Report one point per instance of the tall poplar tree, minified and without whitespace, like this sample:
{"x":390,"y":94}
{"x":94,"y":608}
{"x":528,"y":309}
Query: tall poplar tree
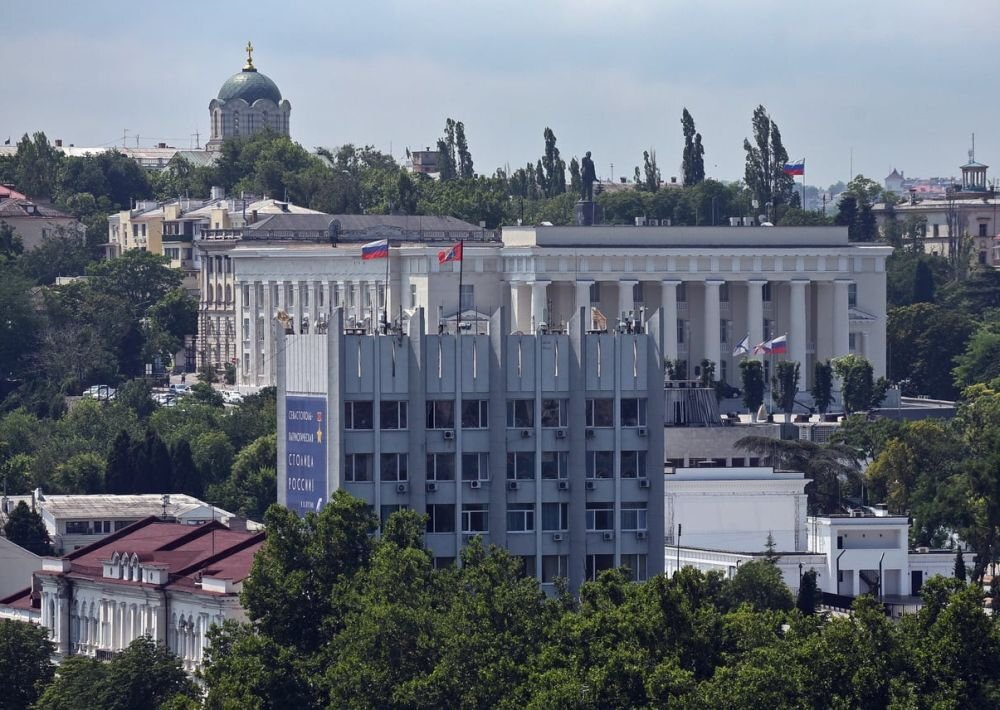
{"x":465,"y":170}
{"x":693,"y":164}
{"x":554,"y":166}
{"x":766,"y":158}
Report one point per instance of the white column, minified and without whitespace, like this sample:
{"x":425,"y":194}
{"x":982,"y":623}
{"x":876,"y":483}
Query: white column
{"x":755,"y":312}
{"x":841,"y":320}
{"x":710,"y":328}
{"x":313,"y":292}
{"x":270,"y":307}
{"x":249,"y":312}
{"x":626,"y":299}
{"x":539,"y":304}
{"x":583,"y":301}
{"x":797,"y":323}
{"x":669,"y":305}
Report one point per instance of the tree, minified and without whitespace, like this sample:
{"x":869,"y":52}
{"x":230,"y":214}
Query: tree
{"x":465,"y":170}
{"x":20,"y":325}
{"x":651,"y":179}
{"x":765,"y":163}
{"x":822,"y":387}
{"x":786,"y":384}
{"x":184,"y":475}
{"x":808,"y":595}
{"x":553,"y":168}
{"x":752,"y":373}
{"x":79,"y":685}
{"x":924,"y":341}
{"x":855,"y":209}
{"x":693,"y":161}
{"x":151,"y":464}
{"x":759,"y":584}
{"x":63,"y":253}
{"x":960,"y":566}
{"x":25,"y":665}
{"x":137,"y":278}
{"x":980,"y":362}
{"x":82,"y":473}
{"x":119,"y":477}
{"x":857,"y":385}
{"x":37,"y":166}
{"x":26,"y":528}
{"x":11,"y":245}
{"x":575,"y":183}
{"x":923,"y":283}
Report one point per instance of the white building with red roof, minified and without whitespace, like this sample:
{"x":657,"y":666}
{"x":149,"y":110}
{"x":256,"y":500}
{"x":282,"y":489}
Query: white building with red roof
{"x":169,"y":581}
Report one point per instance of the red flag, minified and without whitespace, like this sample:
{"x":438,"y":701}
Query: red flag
{"x":453,"y":253}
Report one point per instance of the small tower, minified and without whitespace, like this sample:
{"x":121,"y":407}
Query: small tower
{"x":973,"y":173}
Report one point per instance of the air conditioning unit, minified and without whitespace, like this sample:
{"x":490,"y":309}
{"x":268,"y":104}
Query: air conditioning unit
{"x":563,"y":485}
{"x":652,"y":222}
{"x":608,"y":536}
{"x":642,"y":431}
{"x":560,"y":433}
{"x":857,"y":513}
{"x":525,"y":433}
{"x":400,"y":488}
{"x":590,"y":433}
{"x":432,"y":486}
{"x":640,"y":534}
{"x":475,"y":484}
{"x":512,"y":485}
{"x":643,"y":483}
{"x":591,"y":485}
{"x":449,"y":436}
{"x":557,"y":537}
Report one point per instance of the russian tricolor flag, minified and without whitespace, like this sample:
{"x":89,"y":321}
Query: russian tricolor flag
{"x":778,"y":346}
{"x":375,"y":250}
{"x":796,"y":168}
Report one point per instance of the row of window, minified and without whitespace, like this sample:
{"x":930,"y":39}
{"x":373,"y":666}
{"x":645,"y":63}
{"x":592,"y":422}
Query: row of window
{"x":557,"y":566}
{"x":358,"y":468}
{"x":440,"y":413}
{"x":521,"y":517}
{"x":95,"y":527}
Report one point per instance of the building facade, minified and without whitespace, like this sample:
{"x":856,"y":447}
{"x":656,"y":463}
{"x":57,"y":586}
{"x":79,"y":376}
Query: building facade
{"x":34,"y":222}
{"x":546,"y":444}
{"x":165,"y":580}
{"x":713,"y":286}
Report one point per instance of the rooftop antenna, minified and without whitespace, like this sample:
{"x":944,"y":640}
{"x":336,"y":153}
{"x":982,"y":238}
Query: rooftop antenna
{"x":197,"y":140}
{"x":972,"y":151}
{"x":124,"y":136}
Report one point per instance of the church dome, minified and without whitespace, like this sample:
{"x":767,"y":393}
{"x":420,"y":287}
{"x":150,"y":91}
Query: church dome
{"x":249,"y":85}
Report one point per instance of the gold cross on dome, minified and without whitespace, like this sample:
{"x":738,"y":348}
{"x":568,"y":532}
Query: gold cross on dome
{"x":249,"y":64}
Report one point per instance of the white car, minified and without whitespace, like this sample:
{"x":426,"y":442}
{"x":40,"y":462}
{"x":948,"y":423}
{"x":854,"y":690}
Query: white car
{"x":100,"y":392}
{"x":231,"y":396}
{"x":180,"y":389}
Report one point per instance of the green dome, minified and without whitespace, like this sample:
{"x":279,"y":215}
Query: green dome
{"x":249,"y":85}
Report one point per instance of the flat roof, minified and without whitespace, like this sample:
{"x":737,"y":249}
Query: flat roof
{"x":734,"y":473}
{"x":665,"y":237}
{"x":117,"y":506}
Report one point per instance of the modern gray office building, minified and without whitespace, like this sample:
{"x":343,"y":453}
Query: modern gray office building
{"x":548,"y":444}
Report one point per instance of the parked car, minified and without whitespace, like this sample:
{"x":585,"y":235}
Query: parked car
{"x":100,"y":392}
{"x":180,"y":389}
{"x":728,"y":391}
{"x":231,"y":396}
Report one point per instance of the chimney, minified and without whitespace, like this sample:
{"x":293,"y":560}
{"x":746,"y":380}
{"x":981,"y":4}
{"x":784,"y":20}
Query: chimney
{"x":218,"y":192}
{"x":238,"y":524}
{"x":253,"y":216}
{"x":161,"y":145}
{"x":58,"y":142}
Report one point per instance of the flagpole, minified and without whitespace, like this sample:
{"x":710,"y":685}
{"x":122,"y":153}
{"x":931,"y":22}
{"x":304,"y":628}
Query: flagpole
{"x":461,"y":272}
{"x":385,"y":302}
{"x":803,"y":185}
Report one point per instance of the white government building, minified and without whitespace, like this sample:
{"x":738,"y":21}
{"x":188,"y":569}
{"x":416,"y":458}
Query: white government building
{"x":715,"y":285}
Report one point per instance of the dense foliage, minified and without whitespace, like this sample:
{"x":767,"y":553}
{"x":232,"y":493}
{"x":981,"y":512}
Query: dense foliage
{"x":339,"y":619}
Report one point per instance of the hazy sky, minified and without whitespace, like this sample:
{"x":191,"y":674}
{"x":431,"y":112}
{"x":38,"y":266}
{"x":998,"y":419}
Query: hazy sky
{"x":902,"y":83}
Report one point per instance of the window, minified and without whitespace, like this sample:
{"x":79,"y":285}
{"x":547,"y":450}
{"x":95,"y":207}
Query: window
{"x":387,"y":510}
{"x":440,"y":414}
{"x":119,"y":524}
{"x":601,"y":412}
{"x":246,"y":296}
{"x":600,"y":516}
{"x":413,"y":295}
{"x":852,"y":295}
{"x":636,"y":565}
{"x":554,"y":567}
{"x":597,"y":564}
{"x":982,"y":229}
{"x":852,"y":342}
{"x":682,"y":292}
{"x":475,"y":413}
{"x":528,"y":565}
{"x":637,"y":295}
{"x":520,"y":465}
{"x":441,"y":518}
{"x":634,"y":516}
{"x":476,"y":467}
{"x":936,"y":230}
{"x":357,"y":468}
{"x":475,"y":517}
{"x":393,"y":467}
{"x":555,"y":464}
{"x":633,"y":412}
{"x":358,"y":415}
{"x":555,"y":517}
{"x":766,"y":292}
{"x":681,"y":329}
{"x":595,"y":293}
{"x":520,"y":517}
{"x":520,"y":413}
{"x":77,"y":527}
{"x":392,"y":414}
{"x":600,"y":464}
{"x":723,"y":331}
{"x":768,"y":329}
{"x":440,"y":467}
{"x":443,"y":562}
{"x":467,"y":297}
{"x":724,"y":292}
{"x":555,"y":413}
{"x":633,"y":464}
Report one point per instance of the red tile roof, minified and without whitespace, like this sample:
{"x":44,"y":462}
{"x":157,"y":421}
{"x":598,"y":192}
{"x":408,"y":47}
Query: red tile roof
{"x":21,"y":600}
{"x":188,"y":552}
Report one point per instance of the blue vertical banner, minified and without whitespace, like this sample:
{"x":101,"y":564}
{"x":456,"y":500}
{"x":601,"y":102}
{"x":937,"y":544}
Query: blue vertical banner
{"x":305,"y":454}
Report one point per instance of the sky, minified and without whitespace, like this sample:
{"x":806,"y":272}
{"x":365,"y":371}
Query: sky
{"x":892,"y":84}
